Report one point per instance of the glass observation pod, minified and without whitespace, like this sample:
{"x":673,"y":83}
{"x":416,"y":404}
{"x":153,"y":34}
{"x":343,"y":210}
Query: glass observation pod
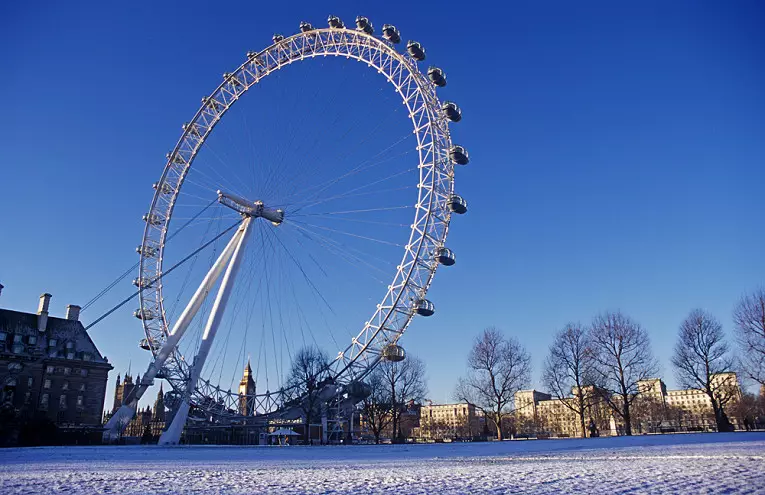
{"x":144,"y":344}
{"x":144,"y":314}
{"x":277,"y":37}
{"x":437,"y":76}
{"x":142,"y":282}
{"x":146,"y":251}
{"x":306,"y":26}
{"x":459,"y":155}
{"x":423,"y":307}
{"x":416,"y":50}
{"x":391,"y":33}
{"x":445,"y":256}
{"x":458,"y":204}
{"x":394,"y":353}
{"x":363,"y":24}
{"x":452,"y":111}
{"x":335,"y":22}
{"x":357,"y":389}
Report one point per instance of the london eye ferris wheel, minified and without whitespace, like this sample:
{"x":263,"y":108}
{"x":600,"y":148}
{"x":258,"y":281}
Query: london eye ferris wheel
{"x":312,"y":212}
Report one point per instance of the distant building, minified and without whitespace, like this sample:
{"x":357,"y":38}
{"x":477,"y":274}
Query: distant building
{"x":246,"y":392}
{"x":654,"y":409}
{"x":151,"y":421}
{"x":50,"y":367}
{"x":459,"y":420}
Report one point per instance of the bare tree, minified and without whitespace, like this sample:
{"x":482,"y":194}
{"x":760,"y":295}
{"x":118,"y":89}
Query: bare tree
{"x":405,"y":382}
{"x":568,"y":370}
{"x":702,"y":360}
{"x":377,"y":406}
{"x":309,"y":374}
{"x":749,"y":317}
{"x":622,"y":356}
{"x":497,"y":369}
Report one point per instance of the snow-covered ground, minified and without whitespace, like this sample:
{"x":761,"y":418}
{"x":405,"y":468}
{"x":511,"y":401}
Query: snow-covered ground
{"x":699,"y":463}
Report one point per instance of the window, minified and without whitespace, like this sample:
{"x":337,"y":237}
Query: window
{"x":28,"y":397}
{"x":49,"y":369}
{"x":14,"y":366}
{"x":80,"y":401}
{"x":82,"y":387}
{"x":62,"y":402}
{"x":83,"y":372}
{"x":46,"y":385}
{"x":32,"y":339}
{"x":30,"y":381}
{"x":86,"y":356}
{"x":17,"y":338}
{"x":67,"y":371}
{"x":18,"y":348}
{"x":10,"y":382}
{"x":65,"y":385}
{"x":52,"y":343}
{"x":3,"y":336}
{"x":70,"y":355}
{"x":70,"y":345}
{"x":44,"y":401}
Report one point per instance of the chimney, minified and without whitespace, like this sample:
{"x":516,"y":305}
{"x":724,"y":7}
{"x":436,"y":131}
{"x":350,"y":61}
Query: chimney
{"x":73,"y":312}
{"x":42,"y":312}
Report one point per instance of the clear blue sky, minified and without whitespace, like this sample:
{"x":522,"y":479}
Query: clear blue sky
{"x":618,"y":155}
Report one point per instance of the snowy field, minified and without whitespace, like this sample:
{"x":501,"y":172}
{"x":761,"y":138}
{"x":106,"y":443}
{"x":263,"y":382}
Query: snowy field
{"x":699,"y":463}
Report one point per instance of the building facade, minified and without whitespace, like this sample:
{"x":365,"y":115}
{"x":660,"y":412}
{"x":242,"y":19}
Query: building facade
{"x":654,"y":409}
{"x":50,"y":367}
{"x":459,"y":420}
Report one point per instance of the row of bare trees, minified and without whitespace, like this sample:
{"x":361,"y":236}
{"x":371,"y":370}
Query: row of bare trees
{"x":605,"y":362}
{"x":392,"y":386}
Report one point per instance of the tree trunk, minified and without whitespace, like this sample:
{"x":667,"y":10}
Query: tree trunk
{"x":627,"y":419}
{"x":581,"y":424}
{"x":498,"y":422}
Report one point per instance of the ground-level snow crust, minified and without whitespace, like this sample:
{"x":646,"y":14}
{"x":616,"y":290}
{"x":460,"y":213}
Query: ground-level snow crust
{"x":704,"y":463}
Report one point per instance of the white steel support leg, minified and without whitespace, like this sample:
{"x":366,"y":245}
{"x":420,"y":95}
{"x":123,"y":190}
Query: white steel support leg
{"x":124,"y":414}
{"x":172,"y":435}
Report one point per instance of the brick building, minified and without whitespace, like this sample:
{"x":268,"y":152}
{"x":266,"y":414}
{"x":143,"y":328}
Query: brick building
{"x":50,"y":367}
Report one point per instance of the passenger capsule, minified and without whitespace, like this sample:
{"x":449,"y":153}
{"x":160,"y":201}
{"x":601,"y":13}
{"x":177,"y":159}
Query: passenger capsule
{"x":277,"y":38}
{"x":423,"y":307}
{"x":306,"y":26}
{"x":437,"y":76}
{"x":335,"y":22}
{"x":416,"y":50}
{"x":143,"y":282}
{"x":363,"y":24}
{"x":445,"y":256}
{"x":394,"y":353}
{"x":452,"y":111}
{"x":152,"y":218}
{"x":459,"y":155}
{"x":457,"y":204}
{"x":391,"y":33}
{"x":148,"y":251}
{"x":148,"y":346}
{"x":251,"y":55}
{"x":144,"y":314}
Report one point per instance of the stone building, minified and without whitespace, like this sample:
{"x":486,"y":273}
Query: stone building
{"x":50,"y":367}
{"x":151,"y":420}
{"x":246,"y":391}
{"x":460,"y":420}
{"x":655,"y":409}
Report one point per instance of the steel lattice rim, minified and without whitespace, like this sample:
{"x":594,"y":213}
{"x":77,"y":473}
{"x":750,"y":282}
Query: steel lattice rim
{"x":428,"y":231}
